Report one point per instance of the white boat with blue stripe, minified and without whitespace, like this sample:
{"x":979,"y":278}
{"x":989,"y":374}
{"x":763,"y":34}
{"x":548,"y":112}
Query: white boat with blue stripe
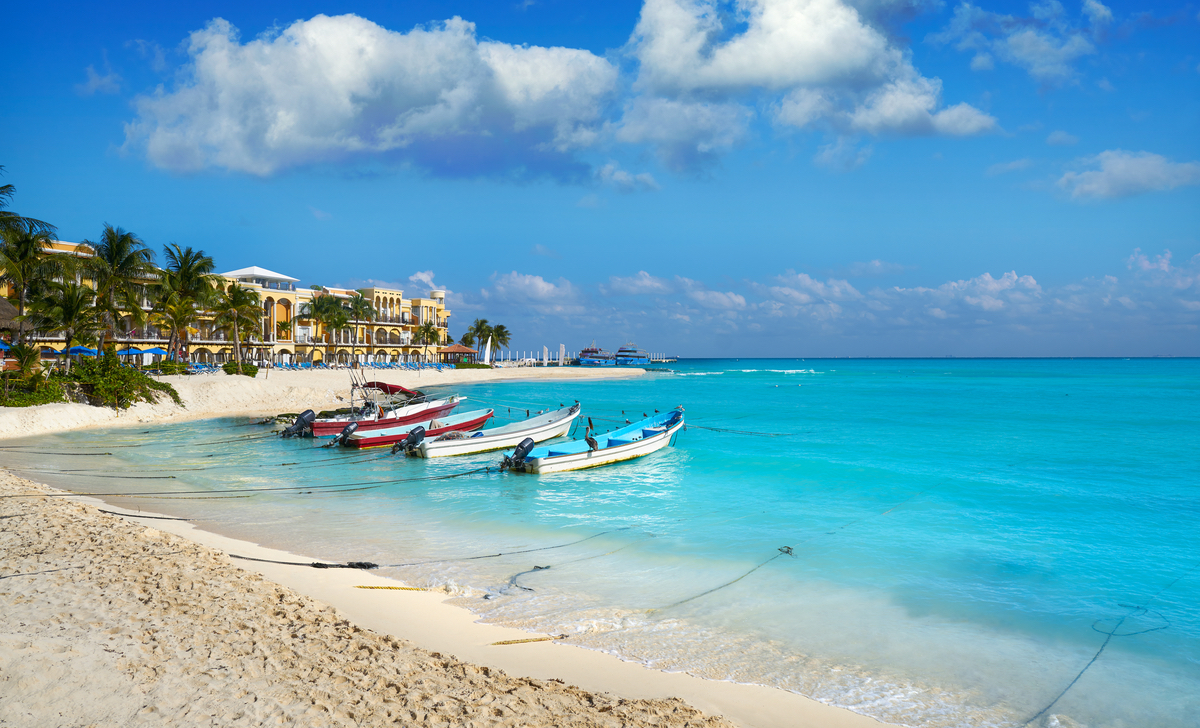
{"x":631,"y":441}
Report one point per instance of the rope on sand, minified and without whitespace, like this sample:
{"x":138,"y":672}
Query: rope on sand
{"x":527,"y":641}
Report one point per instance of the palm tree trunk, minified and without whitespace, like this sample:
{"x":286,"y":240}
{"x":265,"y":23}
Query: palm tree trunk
{"x":237,"y":347}
{"x":21,"y":312}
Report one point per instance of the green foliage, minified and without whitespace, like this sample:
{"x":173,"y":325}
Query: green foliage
{"x":232,"y":368}
{"x":106,"y":381}
{"x":29,"y":392}
{"x":469,"y":365}
{"x":168,"y":367}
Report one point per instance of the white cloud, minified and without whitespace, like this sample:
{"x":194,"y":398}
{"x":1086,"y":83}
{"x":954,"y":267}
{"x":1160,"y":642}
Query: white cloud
{"x":719,"y":300}
{"x":1097,"y":12}
{"x":422,"y":278}
{"x":525,"y":288}
{"x":330,"y":87}
{"x":686,"y":134}
{"x":1006,"y":167}
{"x":642,"y":283}
{"x":1046,"y":45}
{"x":108,"y":83}
{"x":842,"y":154}
{"x":1117,"y":173}
{"x":612,"y":174}
{"x":833,"y":289}
{"x":829,"y":65}
{"x":1061,"y":139}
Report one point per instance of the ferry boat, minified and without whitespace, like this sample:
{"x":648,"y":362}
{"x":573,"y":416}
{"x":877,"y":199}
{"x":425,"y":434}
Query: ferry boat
{"x":594,"y":356}
{"x":631,"y":356}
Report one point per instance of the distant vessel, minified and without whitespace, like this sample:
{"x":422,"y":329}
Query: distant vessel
{"x":594,"y":356}
{"x":631,"y":356}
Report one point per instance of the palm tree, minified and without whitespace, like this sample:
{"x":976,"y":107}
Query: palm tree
{"x":28,"y":358}
{"x":11,"y":221}
{"x":327,"y":311}
{"x":467,"y":339}
{"x":185,"y":287}
{"x":500,"y":335}
{"x":70,"y":308}
{"x":237,"y":310}
{"x":27,"y":265}
{"x":480,"y":330}
{"x":361,"y":309}
{"x":120,"y":267}
{"x":426,"y":334}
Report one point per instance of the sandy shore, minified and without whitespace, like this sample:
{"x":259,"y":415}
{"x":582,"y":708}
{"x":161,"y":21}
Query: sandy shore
{"x":271,"y":392}
{"x":106,"y":622}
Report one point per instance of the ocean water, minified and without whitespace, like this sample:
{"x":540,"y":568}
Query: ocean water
{"x":963,"y":534}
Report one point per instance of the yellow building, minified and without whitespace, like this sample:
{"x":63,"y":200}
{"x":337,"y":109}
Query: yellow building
{"x":287,"y":333}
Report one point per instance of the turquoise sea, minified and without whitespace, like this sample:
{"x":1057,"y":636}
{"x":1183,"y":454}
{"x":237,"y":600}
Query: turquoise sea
{"x":965,"y":536}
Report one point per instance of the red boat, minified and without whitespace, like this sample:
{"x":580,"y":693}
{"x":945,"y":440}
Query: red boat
{"x":465,"y":422}
{"x":376,"y":418}
{"x":392,"y":389}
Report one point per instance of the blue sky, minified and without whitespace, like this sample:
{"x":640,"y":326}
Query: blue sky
{"x":760,"y":178}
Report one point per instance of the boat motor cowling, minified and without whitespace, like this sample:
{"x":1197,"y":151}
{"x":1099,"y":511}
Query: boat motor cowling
{"x":517,"y":459}
{"x":303,"y":422}
{"x":347,"y":431}
{"x":413,"y":440}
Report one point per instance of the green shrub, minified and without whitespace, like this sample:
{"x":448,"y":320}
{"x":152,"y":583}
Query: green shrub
{"x":469,"y":365}
{"x":232,"y":368}
{"x":104,"y":380}
{"x":169,"y":367}
{"x":29,"y":393}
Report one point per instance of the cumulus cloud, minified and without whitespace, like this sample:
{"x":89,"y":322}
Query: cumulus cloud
{"x":612,"y":174}
{"x":642,"y":283}
{"x":687,"y":135}
{"x":533,"y":290}
{"x":1117,"y":173}
{"x":108,"y":82}
{"x":1046,"y":44}
{"x":828,"y":65}
{"x":422,"y":278}
{"x":329,"y":88}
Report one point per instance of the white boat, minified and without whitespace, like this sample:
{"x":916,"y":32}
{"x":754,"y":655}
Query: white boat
{"x":538,"y":428}
{"x":632,"y":441}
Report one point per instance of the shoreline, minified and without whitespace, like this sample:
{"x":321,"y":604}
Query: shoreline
{"x":424,"y":618}
{"x":269,"y":393}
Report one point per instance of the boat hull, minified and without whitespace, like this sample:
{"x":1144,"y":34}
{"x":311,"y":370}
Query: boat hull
{"x":555,"y":426}
{"x":409,"y":414}
{"x":392,"y":435}
{"x":607,"y":456}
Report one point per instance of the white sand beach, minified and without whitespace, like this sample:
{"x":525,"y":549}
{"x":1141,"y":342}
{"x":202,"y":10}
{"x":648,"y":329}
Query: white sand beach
{"x":112,"y":620}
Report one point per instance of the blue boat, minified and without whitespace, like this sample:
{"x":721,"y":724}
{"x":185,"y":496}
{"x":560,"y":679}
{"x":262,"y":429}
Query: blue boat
{"x":631,"y":356}
{"x":594,"y":356}
{"x":631,"y":441}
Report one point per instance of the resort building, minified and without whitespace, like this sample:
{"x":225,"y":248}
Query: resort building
{"x":384,"y":327}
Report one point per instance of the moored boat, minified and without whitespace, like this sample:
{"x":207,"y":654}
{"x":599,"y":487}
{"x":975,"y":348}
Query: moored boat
{"x":538,"y":428}
{"x":463,"y":422}
{"x":631,"y":356}
{"x":632,"y":441}
{"x":372,"y":416}
{"x":594,"y":356}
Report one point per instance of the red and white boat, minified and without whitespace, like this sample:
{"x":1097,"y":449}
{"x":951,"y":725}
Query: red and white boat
{"x":464,"y":422}
{"x":376,"y":418}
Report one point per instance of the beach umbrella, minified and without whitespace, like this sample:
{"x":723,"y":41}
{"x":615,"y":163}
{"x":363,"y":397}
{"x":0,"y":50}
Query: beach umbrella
{"x":129,"y":352}
{"x":4,"y":347}
{"x":82,"y":350}
{"x":155,"y":350}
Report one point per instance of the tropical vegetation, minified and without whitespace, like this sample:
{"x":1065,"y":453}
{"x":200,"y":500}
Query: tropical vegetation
{"x":480,"y":331}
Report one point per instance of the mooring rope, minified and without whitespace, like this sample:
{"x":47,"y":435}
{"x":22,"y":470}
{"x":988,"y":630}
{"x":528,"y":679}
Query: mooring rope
{"x":507,"y":553}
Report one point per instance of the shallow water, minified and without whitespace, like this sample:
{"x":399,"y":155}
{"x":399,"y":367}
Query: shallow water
{"x":963,"y":532}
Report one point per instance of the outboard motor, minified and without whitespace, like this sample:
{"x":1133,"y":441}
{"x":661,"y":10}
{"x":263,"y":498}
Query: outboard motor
{"x":303,"y":422}
{"x":517,"y":459}
{"x":347,"y":431}
{"x":411,"y":441}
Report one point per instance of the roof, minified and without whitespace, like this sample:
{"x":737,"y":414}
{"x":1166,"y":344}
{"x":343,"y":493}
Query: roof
{"x":255,"y":272}
{"x":457,"y":349}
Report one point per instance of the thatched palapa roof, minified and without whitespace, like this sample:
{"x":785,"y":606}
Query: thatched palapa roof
{"x":8,"y":312}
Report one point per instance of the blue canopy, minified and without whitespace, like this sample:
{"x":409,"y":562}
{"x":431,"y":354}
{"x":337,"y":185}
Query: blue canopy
{"x":4,"y":347}
{"x":129,"y":352}
{"x":155,"y":350}
{"x":82,"y":350}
